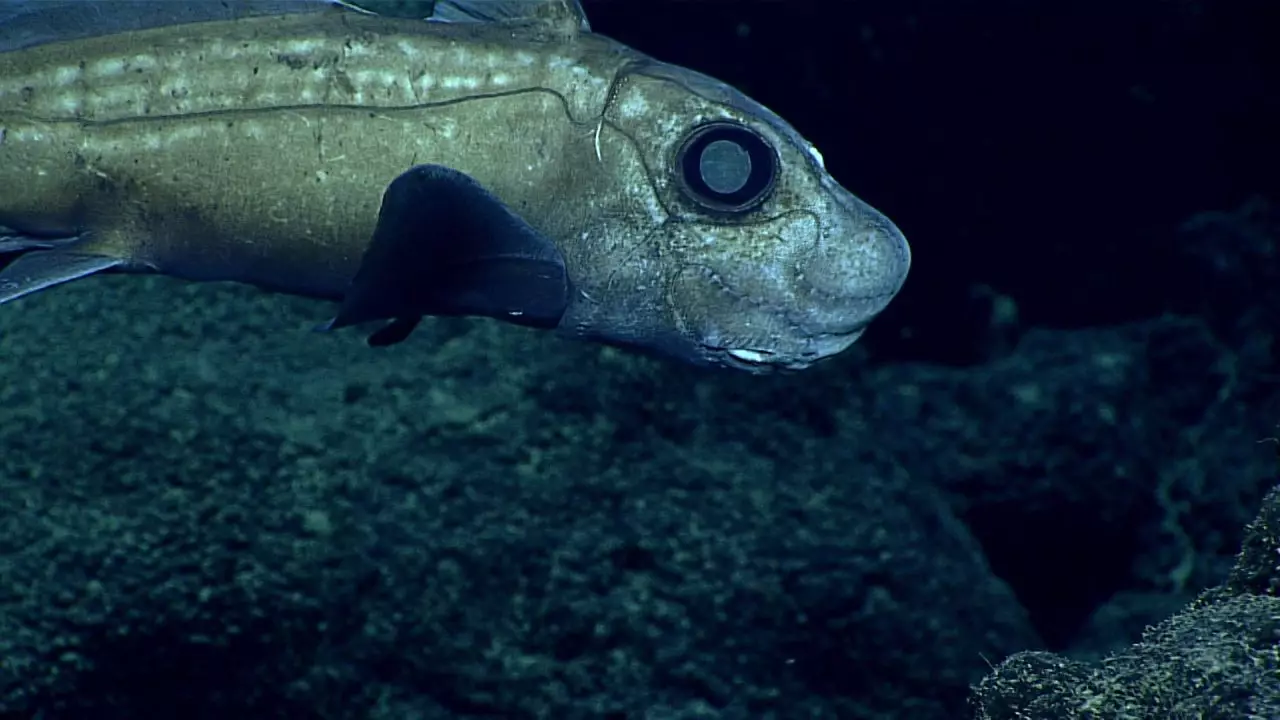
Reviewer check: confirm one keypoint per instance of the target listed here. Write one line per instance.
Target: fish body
(519, 167)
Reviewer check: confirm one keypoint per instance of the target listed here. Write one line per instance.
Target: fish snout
(845, 269)
(857, 267)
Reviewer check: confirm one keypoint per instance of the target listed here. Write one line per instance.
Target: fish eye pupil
(726, 167)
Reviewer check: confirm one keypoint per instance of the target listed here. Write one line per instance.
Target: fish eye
(726, 167)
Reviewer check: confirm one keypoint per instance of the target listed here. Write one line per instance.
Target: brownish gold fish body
(257, 150)
(629, 201)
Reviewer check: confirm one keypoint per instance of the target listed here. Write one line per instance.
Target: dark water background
(1049, 442)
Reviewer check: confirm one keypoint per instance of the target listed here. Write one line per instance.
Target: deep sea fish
(498, 159)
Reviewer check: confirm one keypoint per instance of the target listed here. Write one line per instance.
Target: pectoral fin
(393, 332)
(444, 245)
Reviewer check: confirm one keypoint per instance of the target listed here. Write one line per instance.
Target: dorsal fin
(563, 15)
(26, 23)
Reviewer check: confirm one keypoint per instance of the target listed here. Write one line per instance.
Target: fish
(494, 159)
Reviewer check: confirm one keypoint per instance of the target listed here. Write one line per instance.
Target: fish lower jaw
(761, 361)
(816, 349)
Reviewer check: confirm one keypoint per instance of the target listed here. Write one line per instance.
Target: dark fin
(26, 23)
(444, 245)
(552, 13)
(394, 332)
(40, 269)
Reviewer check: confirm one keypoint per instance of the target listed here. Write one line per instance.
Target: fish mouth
(760, 360)
(754, 361)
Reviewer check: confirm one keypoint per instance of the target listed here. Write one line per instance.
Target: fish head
(761, 260)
